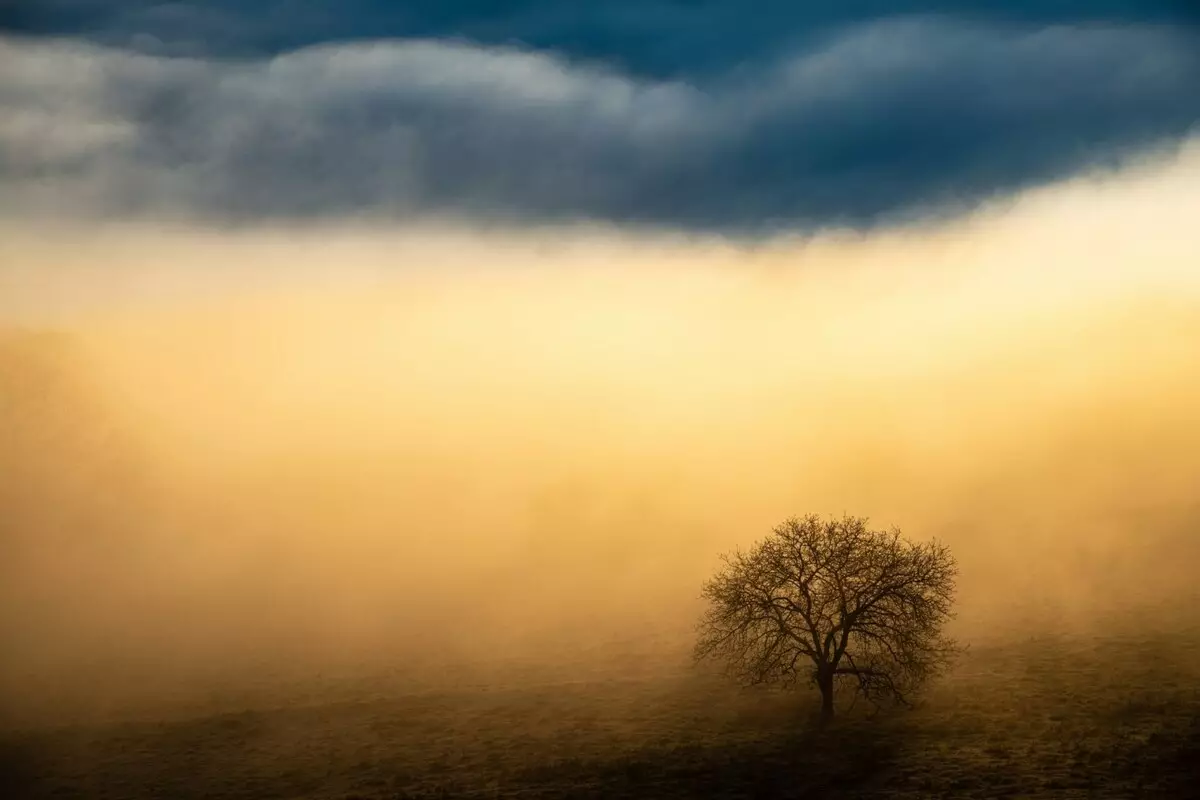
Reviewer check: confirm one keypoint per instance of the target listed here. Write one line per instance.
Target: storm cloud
(661, 38)
(832, 120)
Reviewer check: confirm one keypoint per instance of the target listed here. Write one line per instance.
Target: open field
(1114, 716)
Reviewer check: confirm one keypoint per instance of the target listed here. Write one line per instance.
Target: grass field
(1115, 716)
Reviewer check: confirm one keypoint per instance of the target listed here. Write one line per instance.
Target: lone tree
(829, 602)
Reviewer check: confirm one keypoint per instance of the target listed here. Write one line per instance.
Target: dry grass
(1051, 717)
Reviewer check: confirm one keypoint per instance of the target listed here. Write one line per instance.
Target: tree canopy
(832, 602)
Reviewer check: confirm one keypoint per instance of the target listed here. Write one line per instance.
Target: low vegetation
(1055, 717)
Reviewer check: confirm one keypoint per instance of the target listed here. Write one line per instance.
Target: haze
(234, 458)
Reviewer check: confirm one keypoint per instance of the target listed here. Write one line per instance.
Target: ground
(1044, 717)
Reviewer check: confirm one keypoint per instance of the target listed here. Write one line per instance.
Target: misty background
(234, 459)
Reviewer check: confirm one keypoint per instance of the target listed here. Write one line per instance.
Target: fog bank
(229, 455)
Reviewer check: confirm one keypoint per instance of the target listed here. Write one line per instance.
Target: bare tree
(829, 602)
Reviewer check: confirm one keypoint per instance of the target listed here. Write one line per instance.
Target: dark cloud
(868, 123)
(649, 37)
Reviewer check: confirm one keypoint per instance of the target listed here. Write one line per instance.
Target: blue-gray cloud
(872, 121)
(646, 37)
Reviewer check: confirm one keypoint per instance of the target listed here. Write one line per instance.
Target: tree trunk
(825, 684)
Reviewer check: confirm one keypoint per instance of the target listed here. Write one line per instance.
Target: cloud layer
(879, 122)
(647, 37)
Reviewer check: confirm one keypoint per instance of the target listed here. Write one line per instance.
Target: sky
(682, 116)
(346, 335)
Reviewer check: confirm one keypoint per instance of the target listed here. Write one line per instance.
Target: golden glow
(312, 447)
